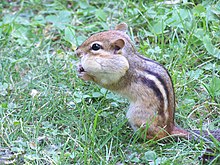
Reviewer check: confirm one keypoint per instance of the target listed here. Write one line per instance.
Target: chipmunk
(110, 59)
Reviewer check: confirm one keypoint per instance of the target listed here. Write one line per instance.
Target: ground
(49, 116)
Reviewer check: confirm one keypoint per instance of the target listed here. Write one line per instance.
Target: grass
(49, 116)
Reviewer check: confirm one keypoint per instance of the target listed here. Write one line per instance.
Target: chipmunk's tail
(197, 135)
(205, 135)
(209, 137)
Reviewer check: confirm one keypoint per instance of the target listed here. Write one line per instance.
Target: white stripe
(161, 88)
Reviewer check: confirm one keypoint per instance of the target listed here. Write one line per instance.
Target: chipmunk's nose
(78, 53)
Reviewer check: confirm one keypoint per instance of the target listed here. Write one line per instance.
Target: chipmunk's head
(102, 56)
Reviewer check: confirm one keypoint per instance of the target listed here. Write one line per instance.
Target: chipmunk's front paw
(83, 74)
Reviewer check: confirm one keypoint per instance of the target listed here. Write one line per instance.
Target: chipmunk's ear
(122, 27)
(118, 45)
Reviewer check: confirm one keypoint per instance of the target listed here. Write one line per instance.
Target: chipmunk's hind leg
(156, 132)
(153, 132)
(176, 131)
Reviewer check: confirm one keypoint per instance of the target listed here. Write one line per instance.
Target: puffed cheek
(91, 66)
(115, 64)
(123, 62)
(120, 65)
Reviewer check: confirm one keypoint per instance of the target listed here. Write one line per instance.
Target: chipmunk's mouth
(80, 69)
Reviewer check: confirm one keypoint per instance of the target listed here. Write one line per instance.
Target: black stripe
(151, 84)
(147, 59)
(160, 79)
(162, 82)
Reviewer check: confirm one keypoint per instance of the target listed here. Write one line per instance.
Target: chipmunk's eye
(96, 47)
